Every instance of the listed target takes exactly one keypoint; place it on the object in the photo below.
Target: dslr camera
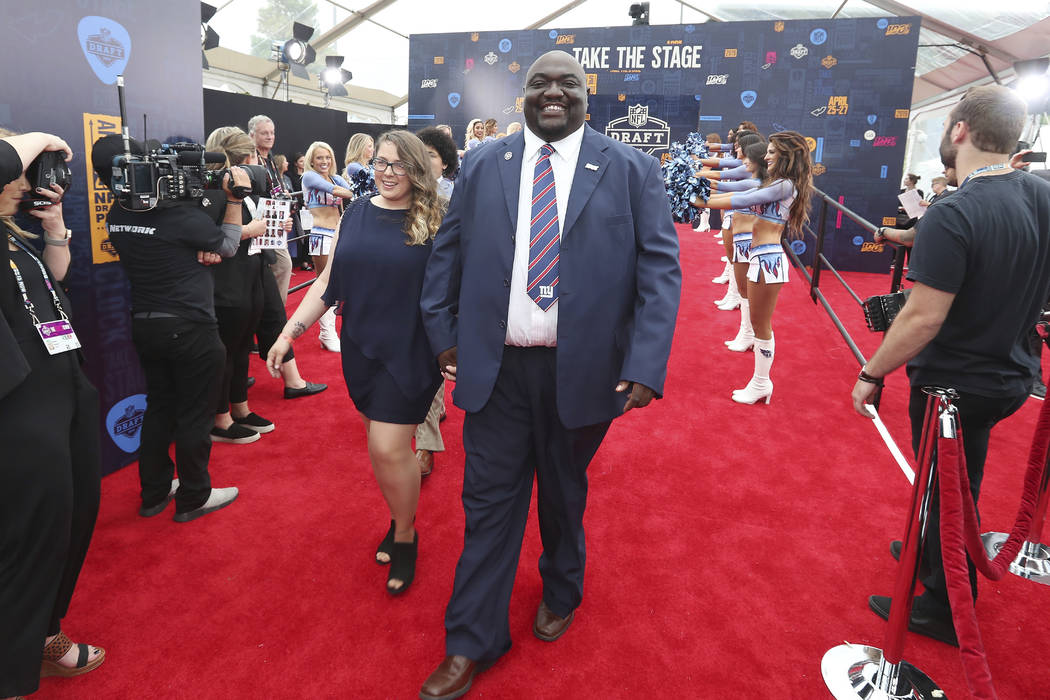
(48, 168)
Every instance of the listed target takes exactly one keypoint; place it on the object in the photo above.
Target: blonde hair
(470, 131)
(308, 163)
(232, 141)
(8, 221)
(355, 149)
(427, 209)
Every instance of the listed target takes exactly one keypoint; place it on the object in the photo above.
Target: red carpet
(729, 546)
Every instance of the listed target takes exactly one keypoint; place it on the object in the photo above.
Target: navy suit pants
(518, 434)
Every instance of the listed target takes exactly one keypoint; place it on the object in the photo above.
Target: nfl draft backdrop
(66, 58)
(845, 84)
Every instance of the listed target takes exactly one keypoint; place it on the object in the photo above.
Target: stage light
(209, 37)
(1033, 83)
(1033, 87)
(639, 12)
(332, 78)
(296, 53)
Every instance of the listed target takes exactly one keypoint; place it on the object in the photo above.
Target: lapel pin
(591, 166)
(508, 155)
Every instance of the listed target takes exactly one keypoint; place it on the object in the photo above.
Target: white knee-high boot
(328, 336)
(760, 386)
(705, 216)
(727, 272)
(732, 298)
(745, 337)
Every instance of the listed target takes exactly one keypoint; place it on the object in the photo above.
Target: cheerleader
(781, 206)
(359, 150)
(738, 229)
(475, 134)
(755, 165)
(323, 192)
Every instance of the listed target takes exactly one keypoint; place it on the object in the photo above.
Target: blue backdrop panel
(63, 59)
(845, 84)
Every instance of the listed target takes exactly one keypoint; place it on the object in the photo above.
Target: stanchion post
(855, 672)
(821, 225)
(1033, 561)
(898, 268)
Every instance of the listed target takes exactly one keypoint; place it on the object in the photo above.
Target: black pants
(49, 495)
(516, 435)
(977, 416)
(273, 317)
(182, 361)
(236, 328)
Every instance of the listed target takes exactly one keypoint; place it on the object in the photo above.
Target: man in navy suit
(554, 282)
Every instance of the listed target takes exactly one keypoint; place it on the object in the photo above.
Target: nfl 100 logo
(646, 133)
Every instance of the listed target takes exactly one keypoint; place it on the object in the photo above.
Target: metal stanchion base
(1032, 562)
(850, 670)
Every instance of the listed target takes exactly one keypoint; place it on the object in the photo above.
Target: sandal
(403, 567)
(386, 546)
(57, 648)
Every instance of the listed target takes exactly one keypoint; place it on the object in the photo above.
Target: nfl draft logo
(124, 422)
(646, 133)
(106, 45)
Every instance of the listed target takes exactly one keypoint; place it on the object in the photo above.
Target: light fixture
(640, 13)
(296, 53)
(1033, 83)
(334, 76)
(209, 37)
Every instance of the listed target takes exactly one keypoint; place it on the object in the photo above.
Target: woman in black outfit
(238, 308)
(380, 253)
(49, 421)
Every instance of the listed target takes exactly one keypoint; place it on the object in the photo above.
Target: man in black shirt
(175, 334)
(982, 273)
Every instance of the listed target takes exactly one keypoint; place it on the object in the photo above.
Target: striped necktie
(544, 239)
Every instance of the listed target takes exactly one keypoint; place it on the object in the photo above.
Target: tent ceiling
(373, 36)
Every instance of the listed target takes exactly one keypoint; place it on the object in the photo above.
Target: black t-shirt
(989, 244)
(158, 250)
(10, 163)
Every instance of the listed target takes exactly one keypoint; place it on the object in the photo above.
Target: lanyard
(22, 287)
(999, 166)
(271, 174)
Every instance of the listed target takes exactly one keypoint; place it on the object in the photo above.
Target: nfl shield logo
(637, 115)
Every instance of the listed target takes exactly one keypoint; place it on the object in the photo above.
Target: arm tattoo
(298, 329)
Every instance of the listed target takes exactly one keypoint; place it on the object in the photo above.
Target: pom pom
(363, 183)
(680, 180)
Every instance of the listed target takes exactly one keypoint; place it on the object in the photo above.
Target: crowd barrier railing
(821, 262)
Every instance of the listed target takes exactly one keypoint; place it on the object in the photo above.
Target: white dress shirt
(527, 324)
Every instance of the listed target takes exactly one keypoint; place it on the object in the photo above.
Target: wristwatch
(62, 242)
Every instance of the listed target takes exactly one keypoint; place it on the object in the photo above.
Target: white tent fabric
(374, 37)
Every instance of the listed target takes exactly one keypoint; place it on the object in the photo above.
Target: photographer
(981, 270)
(174, 330)
(49, 419)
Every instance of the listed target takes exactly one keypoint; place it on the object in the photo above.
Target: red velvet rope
(959, 529)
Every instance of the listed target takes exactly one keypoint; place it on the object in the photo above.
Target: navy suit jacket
(619, 277)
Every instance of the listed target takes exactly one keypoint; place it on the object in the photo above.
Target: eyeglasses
(380, 165)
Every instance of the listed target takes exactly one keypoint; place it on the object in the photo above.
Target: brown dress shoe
(425, 459)
(451, 679)
(549, 626)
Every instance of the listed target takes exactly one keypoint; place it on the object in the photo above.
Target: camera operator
(174, 330)
(981, 270)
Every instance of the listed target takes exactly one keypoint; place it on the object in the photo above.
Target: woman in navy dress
(381, 250)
